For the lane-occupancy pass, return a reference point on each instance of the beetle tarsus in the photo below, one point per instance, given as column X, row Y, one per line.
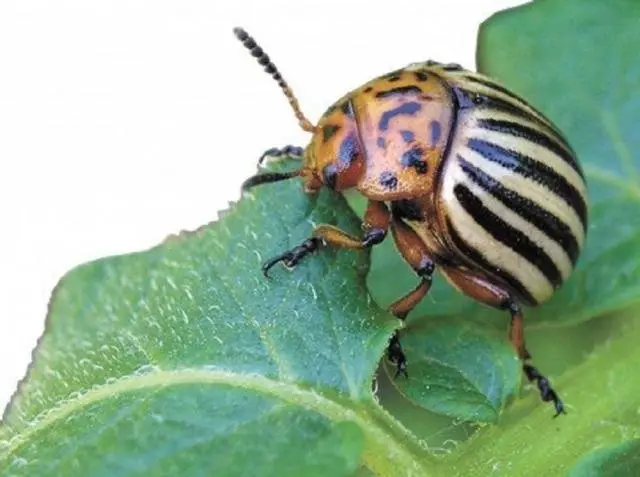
column 291, row 258
column 397, row 356
column 295, row 152
column 373, row 236
column 544, row 386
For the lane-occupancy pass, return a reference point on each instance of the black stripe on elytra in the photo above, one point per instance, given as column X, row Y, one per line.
column 507, row 234
column 534, row 170
column 399, row 91
column 329, row 131
column 348, row 150
column 551, row 225
column 501, row 89
column 474, row 255
column 470, row 99
column 534, row 136
column 408, row 109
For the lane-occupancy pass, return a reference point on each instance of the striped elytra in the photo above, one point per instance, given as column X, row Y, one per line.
column 465, row 176
column 511, row 190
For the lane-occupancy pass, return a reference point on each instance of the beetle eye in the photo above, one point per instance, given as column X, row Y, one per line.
column 330, row 174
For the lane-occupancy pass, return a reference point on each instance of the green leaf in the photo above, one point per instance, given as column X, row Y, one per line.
column 459, row 370
column 622, row 460
column 184, row 359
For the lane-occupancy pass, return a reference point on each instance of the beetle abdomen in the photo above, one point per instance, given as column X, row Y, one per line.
column 513, row 195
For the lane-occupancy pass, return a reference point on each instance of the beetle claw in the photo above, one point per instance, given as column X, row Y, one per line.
column 546, row 391
column 285, row 257
column 291, row 258
column 401, row 368
column 397, row 356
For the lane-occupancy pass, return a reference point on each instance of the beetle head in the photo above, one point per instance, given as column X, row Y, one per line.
column 333, row 157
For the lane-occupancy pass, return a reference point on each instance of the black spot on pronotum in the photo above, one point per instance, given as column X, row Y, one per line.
column 388, row 180
column 348, row 150
column 329, row 131
column 368, row 89
column 330, row 174
column 408, row 109
column 394, row 77
column 407, row 135
column 347, row 109
column 436, row 131
column 399, row 91
column 413, row 158
column 421, row 76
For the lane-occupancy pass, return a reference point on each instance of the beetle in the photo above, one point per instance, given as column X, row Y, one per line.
column 469, row 177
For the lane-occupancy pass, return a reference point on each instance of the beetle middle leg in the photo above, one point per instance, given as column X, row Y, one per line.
column 416, row 254
column 376, row 225
column 482, row 290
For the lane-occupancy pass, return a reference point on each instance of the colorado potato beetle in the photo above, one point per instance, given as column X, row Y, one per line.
column 468, row 176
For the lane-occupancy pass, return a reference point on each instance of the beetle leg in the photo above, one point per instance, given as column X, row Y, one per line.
column 294, row 152
column 376, row 224
column 485, row 292
column 415, row 253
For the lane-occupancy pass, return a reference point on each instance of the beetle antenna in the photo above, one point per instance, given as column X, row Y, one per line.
column 251, row 45
column 268, row 177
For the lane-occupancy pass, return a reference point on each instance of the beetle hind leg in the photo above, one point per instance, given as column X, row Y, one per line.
column 516, row 332
column 482, row 290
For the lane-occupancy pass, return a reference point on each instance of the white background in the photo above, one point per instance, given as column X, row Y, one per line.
column 124, row 121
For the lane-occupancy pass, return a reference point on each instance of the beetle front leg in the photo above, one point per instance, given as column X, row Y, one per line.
column 376, row 224
column 275, row 153
column 415, row 253
column 482, row 290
